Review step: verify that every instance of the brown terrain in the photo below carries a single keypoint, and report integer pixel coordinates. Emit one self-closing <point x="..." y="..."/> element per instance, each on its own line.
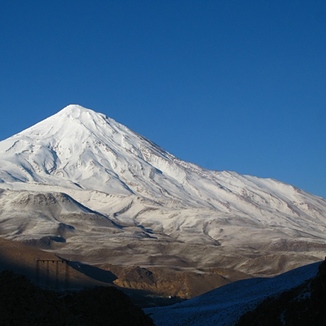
<point x="22" y="302"/>
<point x="146" y="286"/>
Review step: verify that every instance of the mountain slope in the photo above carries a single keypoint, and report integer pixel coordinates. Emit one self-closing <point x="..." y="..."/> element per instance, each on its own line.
<point x="225" y="305"/>
<point x="46" y="217"/>
<point x="147" y="206"/>
<point x="299" y="306"/>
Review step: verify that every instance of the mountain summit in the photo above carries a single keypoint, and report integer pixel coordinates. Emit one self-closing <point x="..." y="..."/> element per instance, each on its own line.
<point x="78" y="147"/>
<point x="136" y="191"/>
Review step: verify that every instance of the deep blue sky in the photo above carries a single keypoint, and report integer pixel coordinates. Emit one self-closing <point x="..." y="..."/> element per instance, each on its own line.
<point x="229" y="85"/>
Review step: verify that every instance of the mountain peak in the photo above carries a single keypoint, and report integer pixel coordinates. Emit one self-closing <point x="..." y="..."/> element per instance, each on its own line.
<point x="73" y="109"/>
<point x="85" y="148"/>
<point x="73" y="121"/>
<point x="77" y="111"/>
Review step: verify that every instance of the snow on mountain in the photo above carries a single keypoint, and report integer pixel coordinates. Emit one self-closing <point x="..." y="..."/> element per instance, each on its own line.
<point x="45" y="216"/>
<point x="152" y="199"/>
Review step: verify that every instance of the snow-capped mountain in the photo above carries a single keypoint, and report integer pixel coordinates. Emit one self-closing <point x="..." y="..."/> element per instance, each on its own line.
<point x="123" y="190"/>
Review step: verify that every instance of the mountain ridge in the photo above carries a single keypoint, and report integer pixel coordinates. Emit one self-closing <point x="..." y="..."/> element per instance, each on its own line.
<point x="154" y="199"/>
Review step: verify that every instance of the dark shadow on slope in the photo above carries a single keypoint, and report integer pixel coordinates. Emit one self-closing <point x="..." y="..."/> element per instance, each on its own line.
<point x="92" y="272"/>
<point x="147" y="299"/>
<point x="47" y="270"/>
<point x="300" y="306"/>
<point x="23" y="303"/>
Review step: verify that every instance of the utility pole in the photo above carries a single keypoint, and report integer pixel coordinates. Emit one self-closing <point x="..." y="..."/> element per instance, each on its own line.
<point x="44" y="268"/>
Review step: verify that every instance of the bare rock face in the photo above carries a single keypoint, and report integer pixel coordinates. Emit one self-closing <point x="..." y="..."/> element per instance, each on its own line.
<point x="169" y="282"/>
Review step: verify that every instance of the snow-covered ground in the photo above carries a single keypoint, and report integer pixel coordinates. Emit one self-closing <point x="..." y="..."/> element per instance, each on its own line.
<point x="225" y="305"/>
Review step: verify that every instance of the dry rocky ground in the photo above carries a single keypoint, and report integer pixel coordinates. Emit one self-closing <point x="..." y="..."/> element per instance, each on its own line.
<point x="147" y="284"/>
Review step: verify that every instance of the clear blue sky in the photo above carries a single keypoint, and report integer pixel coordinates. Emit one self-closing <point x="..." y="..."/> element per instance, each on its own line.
<point x="229" y="85"/>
